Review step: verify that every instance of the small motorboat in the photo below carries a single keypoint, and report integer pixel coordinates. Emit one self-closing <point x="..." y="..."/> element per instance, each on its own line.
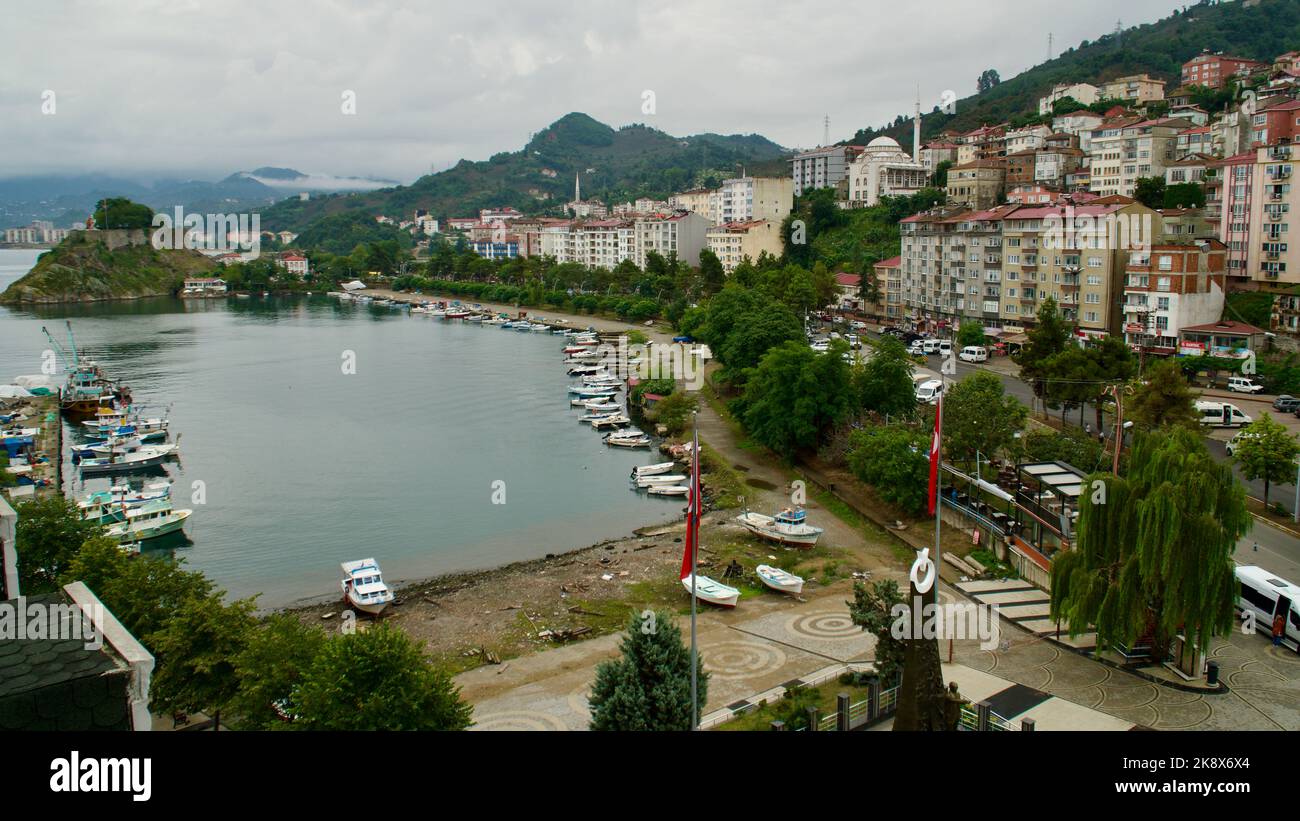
<point x="668" y="490"/>
<point x="779" y="580"/>
<point x="711" y="591"/>
<point x="363" y="586"/>
<point x="591" y="393"/>
<point x="651" y="470"/>
<point x="790" y="526"/>
<point x="625" y="439"/>
<point x="146" y="457"/>
<point x="659" y="479"/>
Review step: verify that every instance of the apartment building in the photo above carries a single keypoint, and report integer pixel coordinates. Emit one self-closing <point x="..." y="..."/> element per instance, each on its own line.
<point x="932" y="154"/>
<point x="1277" y="121"/>
<point x="1256" y="199"/>
<point x="1079" y="123"/>
<point x="1214" y="70"/>
<point x="1170" y="289"/>
<point x="1026" y="139"/>
<point x="753" y="198"/>
<point x="884" y="169"/>
<point x="683" y="234"/>
<point x="697" y="201"/>
<point x="1190" y="168"/>
<point x="822" y="167"/>
<point x="889" y="286"/>
<point x="1135" y="88"/>
<point x="1084" y="93"/>
<point x="978" y="185"/>
<point x="1059" y="157"/>
<point x="603" y="243"/>
<point x="737" y="241"/>
<point x="1124" y="151"/>
<point x="1031" y="194"/>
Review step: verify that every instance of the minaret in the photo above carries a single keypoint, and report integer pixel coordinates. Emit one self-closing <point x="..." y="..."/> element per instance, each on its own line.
<point x="916" y="129"/>
<point x="577" y="188"/>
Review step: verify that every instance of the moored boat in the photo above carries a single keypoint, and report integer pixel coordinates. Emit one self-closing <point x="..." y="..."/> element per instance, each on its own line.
<point x="668" y="490"/>
<point x="651" y="470"/>
<point x="148" y="521"/>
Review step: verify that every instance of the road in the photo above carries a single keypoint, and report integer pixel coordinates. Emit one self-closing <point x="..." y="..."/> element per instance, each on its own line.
<point x="1274" y="550"/>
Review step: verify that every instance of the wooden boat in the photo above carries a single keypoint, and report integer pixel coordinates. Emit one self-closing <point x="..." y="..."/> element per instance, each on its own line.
<point x="711" y="591"/>
<point x="779" y="580"/>
<point x="130" y="445"/>
<point x="625" y="439"/>
<point x="660" y="479"/>
<point x="363" y="586"/>
<point x="591" y="393"/>
<point x="790" y="526"/>
<point x="148" y="521"/>
<point x="613" y="420"/>
<point x="651" y="470"/>
<point x="668" y="490"/>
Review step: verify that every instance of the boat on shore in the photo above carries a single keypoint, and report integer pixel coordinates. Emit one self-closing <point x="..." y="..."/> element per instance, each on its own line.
<point x="779" y="580"/>
<point x="711" y="591"/>
<point x="364" y="588"/>
<point x="790" y="526"/>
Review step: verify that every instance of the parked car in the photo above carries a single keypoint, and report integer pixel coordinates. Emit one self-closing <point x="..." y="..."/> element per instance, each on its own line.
<point x="1231" y="446"/>
<point x="859" y="325"/>
<point x="1244" y="384"/>
<point x="916" y="349"/>
<point x="1286" y="403"/>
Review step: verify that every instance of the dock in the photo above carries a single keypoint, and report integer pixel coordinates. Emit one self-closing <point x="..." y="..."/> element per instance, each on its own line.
<point x="44" y="477"/>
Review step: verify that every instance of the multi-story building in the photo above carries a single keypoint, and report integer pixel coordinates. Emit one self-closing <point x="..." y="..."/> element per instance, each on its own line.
<point x="697" y="201"/>
<point x="1256" y="202"/>
<point x="753" y="198"/>
<point x="1172" y="288"/>
<point x="1079" y="123"/>
<point x="822" y="167"/>
<point x="1031" y="194"/>
<point x="1084" y="93"/>
<point x="603" y="243"/>
<point x="682" y="234"/>
<point x="1213" y="70"/>
<point x="978" y="184"/>
<point x="932" y="154"/>
<point x="1136" y="88"/>
<point x="884" y="169"/>
<point x="1278" y="121"/>
<point x="889" y="287"/>
<point x="507" y="248"/>
<point x="1026" y="139"/>
<point x="1190" y="168"/>
<point x="737" y="241"/>
<point x="1057" y="159"/>
<point x="1124" y="151"/>
<point x="294" y="262"/>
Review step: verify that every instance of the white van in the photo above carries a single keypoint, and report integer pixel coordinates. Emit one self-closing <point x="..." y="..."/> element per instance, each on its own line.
<point x="945" y="347"/>
<point x="1221" y="415"/>
<point x="973" y="353"/>
<point x="1244" y="384"/>
<point x="1264" y="595"/>
<point x="928" y="391"/>
<point x="930" y="345"/>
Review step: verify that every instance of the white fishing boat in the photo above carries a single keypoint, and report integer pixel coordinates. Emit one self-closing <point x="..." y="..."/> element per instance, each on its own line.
<point x="668" y="490"/>
<point x="711" y="591"/>
<point x="146" y="457"/>
<point x="790" y="526"/>
<point x="363" y="586"/>
<point x="779" y="580"/>
<point x="651" y="470"/>
<point x="149" y="521"/>
<point x="585" y="370"/>
<point x="131" y="445"/>
<point x="605" y="409"/>
<point x="659" y="479"/>
<point x="591" y="393"/>
<point x="627" y="439"/>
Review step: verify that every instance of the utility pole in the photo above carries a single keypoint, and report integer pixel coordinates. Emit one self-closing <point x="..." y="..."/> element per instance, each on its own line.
<point x="1119" y="425"/>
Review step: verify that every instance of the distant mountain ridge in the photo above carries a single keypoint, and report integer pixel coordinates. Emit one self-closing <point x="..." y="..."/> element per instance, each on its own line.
<point x="614" y="165"/>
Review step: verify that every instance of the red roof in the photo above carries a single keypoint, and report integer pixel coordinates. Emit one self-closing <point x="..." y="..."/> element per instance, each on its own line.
<point x="1229" y="326"/>
<point x="849" y="280"/>
<point x="892" y="262"/>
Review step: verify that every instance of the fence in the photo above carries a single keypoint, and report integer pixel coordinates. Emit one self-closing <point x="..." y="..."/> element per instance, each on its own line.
<point x="880" y="705"/>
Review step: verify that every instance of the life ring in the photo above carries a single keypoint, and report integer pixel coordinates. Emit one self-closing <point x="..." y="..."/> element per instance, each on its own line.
<point x="923" y="572"/>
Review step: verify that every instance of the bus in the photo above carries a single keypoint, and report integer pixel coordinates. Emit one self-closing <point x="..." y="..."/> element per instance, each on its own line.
<point x="1264" y="595"/>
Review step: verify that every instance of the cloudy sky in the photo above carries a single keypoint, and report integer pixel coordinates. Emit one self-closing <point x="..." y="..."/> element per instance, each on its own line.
<point x="200" y="88"/>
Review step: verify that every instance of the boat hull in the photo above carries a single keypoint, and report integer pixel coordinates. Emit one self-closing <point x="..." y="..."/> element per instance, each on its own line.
<point x="779" y="580"/>
<point x="707" y="590"/>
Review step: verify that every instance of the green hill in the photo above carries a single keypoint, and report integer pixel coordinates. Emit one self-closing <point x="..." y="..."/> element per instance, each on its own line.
<point x="1261" y="31"/>
<point x="85" y="270"/>
<point x="615" y="165"/>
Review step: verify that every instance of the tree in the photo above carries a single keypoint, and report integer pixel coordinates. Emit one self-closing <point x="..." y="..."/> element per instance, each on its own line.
<point x="987" y="81"/>
<point x="895" y="461"/>
<point x="1184" y="195"/>
<point x="1080" y="375"/>
<point x="377" y="679"/>
<point x="50" y="532"/>
<point x="123" y="213"/>
<point x="271" y="663"/>
<point x="1163" y="399"/>
<point x="674" y="411"/>
<point x="1267" y="450"/>
<point x="883" y="384"/>
<point x="196" y="651"/>
<point x="939" y="179"/>
<point x="143" y="592"/>
<point x="712" y="275"/>
<point x="979" y="418"/>
<point x="872" y="609"/>
<point x="1153" y="549"/>
<point x="1046" y="339"/>
<point x="649" y="687"/>
<point x="794" y="395"/>
<point x="970" y="333"/>
<point x="1150" y="191"/>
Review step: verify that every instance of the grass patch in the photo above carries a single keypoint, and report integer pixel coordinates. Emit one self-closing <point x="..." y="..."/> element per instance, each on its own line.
<point x="997" y="568"/>
<point x="725" y="484"/>
<point x="847" y="514"/>
<point x="792" y="708"/>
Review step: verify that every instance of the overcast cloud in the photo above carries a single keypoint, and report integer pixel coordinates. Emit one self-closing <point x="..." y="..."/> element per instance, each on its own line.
<point x="201" y="89"/>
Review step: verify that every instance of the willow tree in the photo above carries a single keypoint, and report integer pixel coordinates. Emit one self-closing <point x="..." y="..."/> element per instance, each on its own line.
<point x="1153" y="549"/>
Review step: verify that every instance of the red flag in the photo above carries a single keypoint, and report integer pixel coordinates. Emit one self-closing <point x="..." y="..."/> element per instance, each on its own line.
<point x="935" y="455"/>
<point x="692" y="510"/>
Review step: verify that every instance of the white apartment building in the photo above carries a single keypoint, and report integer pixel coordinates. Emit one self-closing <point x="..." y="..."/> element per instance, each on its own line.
<point x="1024" y="139"/>
<point x="1079" y="123"/>
<point x="683" y="234"/>
<point x="822" y="167"/>
<point x="753" y="198"/>
<point x="1123" y="151"/>
<point x="735" y="242"/>
<point x="1081" y="92"/>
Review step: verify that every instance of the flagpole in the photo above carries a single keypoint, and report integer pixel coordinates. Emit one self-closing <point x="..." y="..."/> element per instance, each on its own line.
<point x="691" y="522"/>
<point x="938" y="474"/>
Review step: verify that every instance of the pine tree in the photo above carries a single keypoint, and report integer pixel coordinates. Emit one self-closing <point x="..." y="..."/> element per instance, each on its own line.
<point x="1047" y="339"/>
<point x="649" y="688"/>
<point x="1153" y="549"/>
<point x="1163" y="400"/>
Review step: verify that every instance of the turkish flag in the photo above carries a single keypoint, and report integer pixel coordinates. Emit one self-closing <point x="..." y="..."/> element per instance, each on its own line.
<point x="936" y="455"/>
